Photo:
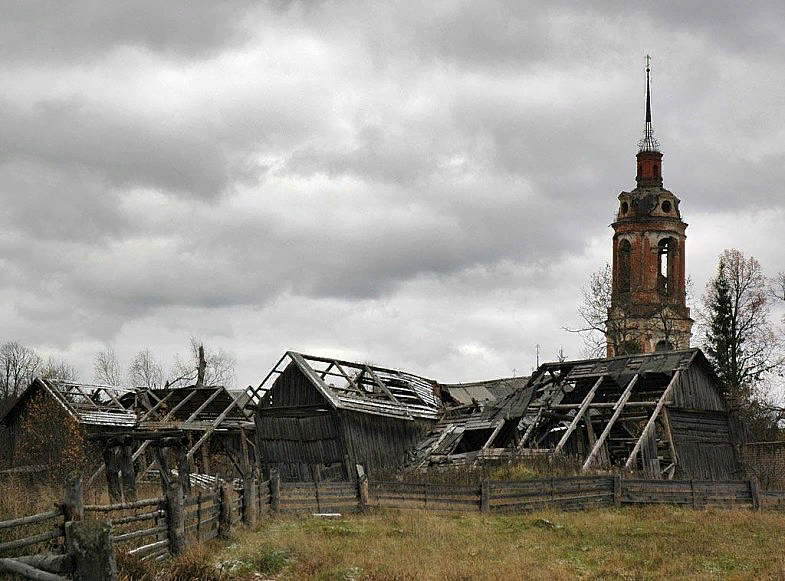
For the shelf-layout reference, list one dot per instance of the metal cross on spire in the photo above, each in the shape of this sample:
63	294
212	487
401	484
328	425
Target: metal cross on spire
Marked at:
648	142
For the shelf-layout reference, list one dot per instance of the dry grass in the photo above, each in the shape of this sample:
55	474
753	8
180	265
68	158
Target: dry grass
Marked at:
645	543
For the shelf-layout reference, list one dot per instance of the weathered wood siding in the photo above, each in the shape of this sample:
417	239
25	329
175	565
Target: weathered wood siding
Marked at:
310	440
704	445
696	390
379	443
292	388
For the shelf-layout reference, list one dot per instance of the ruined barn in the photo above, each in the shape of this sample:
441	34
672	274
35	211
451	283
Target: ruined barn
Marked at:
661	414
318	418
53	420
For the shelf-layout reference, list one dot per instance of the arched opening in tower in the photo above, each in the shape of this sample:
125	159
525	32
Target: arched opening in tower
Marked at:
665	266
625	249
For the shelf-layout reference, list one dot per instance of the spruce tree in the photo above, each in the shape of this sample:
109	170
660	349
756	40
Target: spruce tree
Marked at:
721	336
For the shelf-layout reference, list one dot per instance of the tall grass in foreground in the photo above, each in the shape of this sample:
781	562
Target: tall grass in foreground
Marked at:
629	543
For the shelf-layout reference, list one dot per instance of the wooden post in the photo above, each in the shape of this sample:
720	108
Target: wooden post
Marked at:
362	486
485	496
175	517
275	491
73	502
617	490
225	510
250	495
112	478
127	473
91	547
692	490
755	493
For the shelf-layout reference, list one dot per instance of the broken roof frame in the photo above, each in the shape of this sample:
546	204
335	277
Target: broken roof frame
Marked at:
552	381
98	406
360	387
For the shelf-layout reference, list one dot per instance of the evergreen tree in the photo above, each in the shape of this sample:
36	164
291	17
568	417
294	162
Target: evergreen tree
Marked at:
720	336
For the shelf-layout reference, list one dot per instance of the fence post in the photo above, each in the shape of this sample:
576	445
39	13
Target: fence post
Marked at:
485	496
225	510
617	490
692	490
755	493
73	501
362	485
175	517
250	496
90	545
275	492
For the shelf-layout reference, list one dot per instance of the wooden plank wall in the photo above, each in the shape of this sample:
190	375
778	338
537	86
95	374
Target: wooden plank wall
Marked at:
319	497
578	493
703	444
424	496
693	493
380	443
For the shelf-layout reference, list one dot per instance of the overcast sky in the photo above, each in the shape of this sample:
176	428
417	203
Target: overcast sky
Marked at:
422	185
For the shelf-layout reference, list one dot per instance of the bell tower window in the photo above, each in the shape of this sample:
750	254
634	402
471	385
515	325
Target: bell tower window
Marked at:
665	266
625	250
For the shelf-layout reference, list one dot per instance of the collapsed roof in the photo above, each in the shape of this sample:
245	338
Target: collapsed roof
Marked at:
662	413
359	387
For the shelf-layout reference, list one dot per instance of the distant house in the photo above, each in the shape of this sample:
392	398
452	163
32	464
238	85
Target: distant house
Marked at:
318	417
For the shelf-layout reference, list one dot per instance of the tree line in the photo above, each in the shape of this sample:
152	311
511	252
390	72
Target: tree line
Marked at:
20	364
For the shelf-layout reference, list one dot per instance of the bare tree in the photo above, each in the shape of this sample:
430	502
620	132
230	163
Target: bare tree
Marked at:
106	368
740	339
145	371
18	366
593	311
777	287
204	367
59	370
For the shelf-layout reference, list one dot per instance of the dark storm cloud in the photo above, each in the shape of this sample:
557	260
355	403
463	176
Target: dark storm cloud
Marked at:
50	30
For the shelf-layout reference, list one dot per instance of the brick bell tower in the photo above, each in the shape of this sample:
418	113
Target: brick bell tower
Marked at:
648	304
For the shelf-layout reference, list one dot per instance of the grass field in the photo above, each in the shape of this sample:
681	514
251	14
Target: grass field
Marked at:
630	543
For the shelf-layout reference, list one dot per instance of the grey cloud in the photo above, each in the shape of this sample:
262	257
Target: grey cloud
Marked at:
53	30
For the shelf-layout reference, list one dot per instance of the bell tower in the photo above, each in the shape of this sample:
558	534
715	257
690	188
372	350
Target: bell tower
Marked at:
648	304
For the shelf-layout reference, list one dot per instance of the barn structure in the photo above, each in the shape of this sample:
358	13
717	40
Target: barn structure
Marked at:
318	417
119	426
662	414
46	402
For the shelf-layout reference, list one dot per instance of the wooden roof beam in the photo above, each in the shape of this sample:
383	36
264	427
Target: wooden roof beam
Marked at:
582	410
619	407
650	424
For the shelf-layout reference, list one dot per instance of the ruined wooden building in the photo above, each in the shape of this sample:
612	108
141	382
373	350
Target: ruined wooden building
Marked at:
127	429
318	417
662	414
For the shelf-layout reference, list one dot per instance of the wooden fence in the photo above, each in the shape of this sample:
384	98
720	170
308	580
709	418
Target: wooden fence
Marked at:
579	493
155	527
318	497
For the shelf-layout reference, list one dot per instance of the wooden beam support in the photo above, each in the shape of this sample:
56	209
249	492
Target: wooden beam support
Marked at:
619	407
530	429
212	428
582	410
650	424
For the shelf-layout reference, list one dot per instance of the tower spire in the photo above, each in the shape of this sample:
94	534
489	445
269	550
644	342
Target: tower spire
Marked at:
648	142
